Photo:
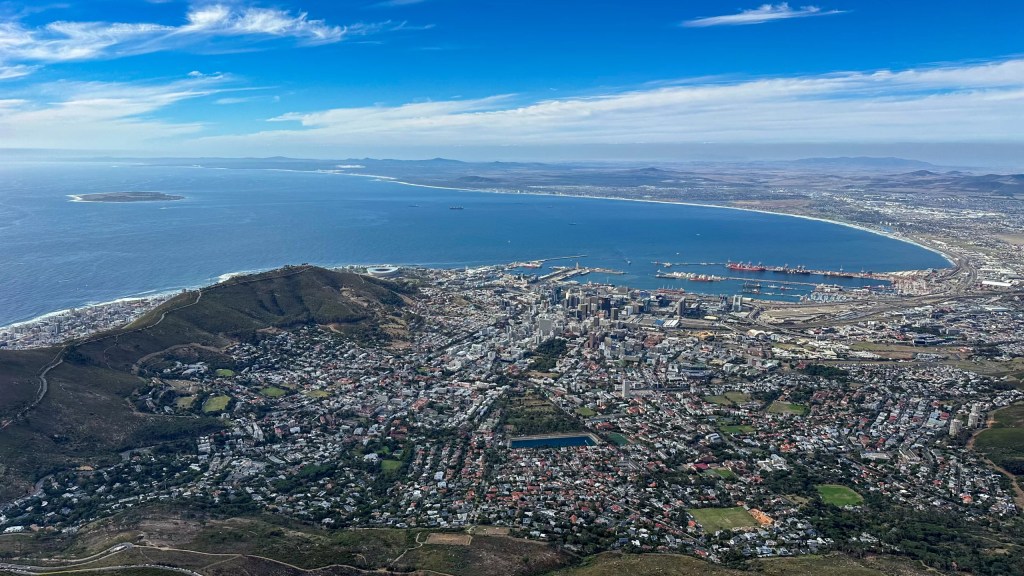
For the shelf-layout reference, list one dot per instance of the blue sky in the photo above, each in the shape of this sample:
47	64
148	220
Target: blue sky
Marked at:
513	79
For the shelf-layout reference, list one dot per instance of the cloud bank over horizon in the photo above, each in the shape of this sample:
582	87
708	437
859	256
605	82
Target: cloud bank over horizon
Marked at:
965	102
298	83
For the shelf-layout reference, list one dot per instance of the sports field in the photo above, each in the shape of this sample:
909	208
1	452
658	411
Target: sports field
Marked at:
715	519
779	407
216	404
838	495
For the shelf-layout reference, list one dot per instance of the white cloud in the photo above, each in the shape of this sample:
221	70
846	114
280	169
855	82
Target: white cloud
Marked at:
221	19
235	100
396	3
964	103
99	115
16	71
951	103
63	41
761	14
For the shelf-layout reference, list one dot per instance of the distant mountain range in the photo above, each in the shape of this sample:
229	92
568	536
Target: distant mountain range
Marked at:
888	163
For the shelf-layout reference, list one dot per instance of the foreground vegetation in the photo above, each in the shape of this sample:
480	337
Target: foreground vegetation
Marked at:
1003	443
530	413
268	545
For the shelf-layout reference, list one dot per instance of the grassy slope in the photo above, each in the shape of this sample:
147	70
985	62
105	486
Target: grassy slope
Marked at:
235	309
309	548
18	377
486	556
85	419
1004	442
198	544
612	564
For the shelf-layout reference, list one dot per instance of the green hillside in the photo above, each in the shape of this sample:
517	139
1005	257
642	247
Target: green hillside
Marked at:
84	418
234	310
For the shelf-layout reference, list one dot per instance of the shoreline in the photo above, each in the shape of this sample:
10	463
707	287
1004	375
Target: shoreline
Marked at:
860	227
167	294
226	276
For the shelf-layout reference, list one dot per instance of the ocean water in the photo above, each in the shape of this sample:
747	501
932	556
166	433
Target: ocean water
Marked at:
56	254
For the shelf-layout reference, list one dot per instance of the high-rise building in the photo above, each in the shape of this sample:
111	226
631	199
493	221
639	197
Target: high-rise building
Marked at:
955	427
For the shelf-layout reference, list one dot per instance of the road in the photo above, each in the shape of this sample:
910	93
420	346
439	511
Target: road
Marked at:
44	385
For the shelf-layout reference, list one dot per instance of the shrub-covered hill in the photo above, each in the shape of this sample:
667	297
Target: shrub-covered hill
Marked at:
356	305
84	418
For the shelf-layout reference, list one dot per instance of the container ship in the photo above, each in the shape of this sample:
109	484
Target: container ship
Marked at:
691	276
787	270
748	267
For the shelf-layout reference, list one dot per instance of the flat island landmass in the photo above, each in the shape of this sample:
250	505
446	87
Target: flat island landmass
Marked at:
126	197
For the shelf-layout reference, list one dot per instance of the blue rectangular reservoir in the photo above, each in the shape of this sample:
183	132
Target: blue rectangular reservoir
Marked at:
553	441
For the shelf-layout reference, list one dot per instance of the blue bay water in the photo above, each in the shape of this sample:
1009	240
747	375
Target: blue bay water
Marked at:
57	254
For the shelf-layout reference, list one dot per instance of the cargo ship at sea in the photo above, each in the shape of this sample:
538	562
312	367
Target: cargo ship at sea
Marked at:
785	269
691	276
748	267
801	270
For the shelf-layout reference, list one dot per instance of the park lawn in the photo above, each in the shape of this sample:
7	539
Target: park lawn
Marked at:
585	412
224	373
216	404
715	519
390	466
185	402
272	392
737	429
891	351
725	473
316	393
838	495
737	396
618	439
780	407
720	400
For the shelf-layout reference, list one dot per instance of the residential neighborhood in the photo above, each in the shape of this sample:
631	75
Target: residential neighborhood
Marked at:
592	416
